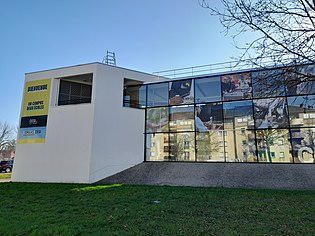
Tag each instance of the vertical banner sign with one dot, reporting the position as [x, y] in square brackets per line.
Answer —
[35, 111]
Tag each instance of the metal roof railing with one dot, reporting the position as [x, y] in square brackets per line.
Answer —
[208, 69]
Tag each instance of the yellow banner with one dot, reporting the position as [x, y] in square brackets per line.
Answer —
[35, 111]
[34, 140]
[36, 98]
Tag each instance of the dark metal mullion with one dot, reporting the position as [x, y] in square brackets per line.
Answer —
[145, 125]
[289, 127]
[224, 156]
[69, 98]
[222, 111]
[255, 131]
[195, 133]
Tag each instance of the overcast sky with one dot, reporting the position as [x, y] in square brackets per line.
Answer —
[146, 35]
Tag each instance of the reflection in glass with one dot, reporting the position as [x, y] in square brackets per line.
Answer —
[301, 80]
[182, 118]
[182, 146]
[210, 146]
[303, 141]
[181, 92]
[273, 145]
[208, 116]
[302, 111]
[157, 120]
[240, 140]
[157, 147]
[157, 95]
[268, 83]
[271, 113]
[236, 86]
[208, 90]
[135, 96]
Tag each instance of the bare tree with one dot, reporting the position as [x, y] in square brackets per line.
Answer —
[284, 34]
[7, 138]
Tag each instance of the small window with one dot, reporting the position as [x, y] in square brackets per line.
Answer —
[186, 144]
[281, 155]
[243, 131]
[75, 89]
[186, 156]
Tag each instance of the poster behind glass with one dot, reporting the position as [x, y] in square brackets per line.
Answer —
[303, 141]
[181, 92]
[208, 117]
[157, 120]
[270, 113]
[236, 86]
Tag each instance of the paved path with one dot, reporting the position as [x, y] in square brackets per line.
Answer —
[5, 180]
[231, 175]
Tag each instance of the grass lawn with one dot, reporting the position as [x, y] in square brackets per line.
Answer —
[72, 209]
[5, 175]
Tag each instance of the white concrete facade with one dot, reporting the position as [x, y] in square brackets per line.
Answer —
[85, 142]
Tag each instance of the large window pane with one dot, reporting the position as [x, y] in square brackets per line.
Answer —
[182, 118]
[271, 113]
[182, 146]
[239, 139]
[181, 92]
[236, 86]
[135, 96]
[157, 95]
[300, 80]
[210, 146]
[208, 90]
[157, 147]
[302, 111]
[157, 120]
[208, 117]
[75, 89]
[303, 141]
[274, 145]
[268, 83]
[240, 145]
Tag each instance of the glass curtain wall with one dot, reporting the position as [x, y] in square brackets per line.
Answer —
[261, 116]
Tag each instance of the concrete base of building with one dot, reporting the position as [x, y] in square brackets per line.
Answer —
[229, 175]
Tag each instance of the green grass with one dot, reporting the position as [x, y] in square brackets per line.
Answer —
[72, 209]
[5, 175]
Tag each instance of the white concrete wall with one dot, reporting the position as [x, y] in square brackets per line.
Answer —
[118, 131]
[65, 155]
[85, 142]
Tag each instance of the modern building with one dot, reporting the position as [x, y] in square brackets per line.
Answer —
[87, 122]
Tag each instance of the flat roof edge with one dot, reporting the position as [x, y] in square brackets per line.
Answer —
[87, 64]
